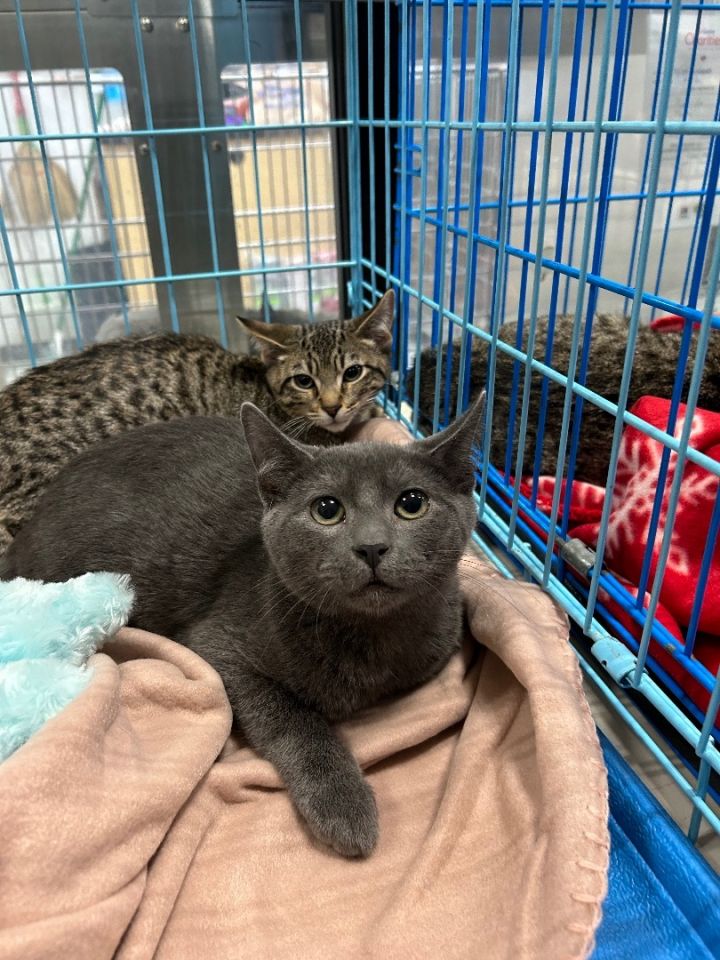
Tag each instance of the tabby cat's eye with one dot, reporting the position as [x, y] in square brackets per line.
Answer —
[411, 504]
[304, 381]
[328, 511]
[352, 373]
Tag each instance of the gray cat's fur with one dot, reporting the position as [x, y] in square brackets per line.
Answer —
[655, 364]
[226, 558]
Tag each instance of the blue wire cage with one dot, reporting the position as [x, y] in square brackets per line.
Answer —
[493, 161]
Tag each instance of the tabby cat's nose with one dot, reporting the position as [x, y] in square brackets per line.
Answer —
[371, 553]
[332, 410]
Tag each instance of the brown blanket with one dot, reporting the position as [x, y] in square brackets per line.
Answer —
[123, 834]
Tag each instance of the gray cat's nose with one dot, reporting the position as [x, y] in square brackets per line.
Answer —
[332, 410]
[371, 553]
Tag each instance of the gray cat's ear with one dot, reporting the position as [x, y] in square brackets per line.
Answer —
[274, 339]
[276, 457]
[452, 448]
[376, 324]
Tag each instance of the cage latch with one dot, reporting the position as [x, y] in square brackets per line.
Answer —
[578, 555]
[616, 658]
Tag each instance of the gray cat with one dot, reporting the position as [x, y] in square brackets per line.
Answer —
[315, 580]
[655, 365]
[316, 380]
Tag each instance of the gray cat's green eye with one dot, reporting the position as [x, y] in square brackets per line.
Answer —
[328, 511]
[412, 504]
[304, 381]
[352, 373]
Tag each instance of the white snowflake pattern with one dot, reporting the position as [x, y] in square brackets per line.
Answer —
[634, 488]
[635, 492]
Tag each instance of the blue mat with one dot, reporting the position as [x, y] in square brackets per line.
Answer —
[663, 901]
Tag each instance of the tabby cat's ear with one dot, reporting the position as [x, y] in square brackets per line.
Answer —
[451, 449]
[276, 457]
[274, 339]
[377, 323]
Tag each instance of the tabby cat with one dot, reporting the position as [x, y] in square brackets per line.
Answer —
[314, 380]
[315, 580]
[654, 367]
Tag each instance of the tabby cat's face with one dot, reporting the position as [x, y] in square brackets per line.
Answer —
[327, 374]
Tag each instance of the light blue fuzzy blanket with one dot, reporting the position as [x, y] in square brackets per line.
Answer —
[47, 633]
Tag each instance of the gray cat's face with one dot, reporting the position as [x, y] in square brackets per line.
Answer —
[364, 528]
[327, 374]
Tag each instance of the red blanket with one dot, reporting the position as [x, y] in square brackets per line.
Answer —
[629, 526]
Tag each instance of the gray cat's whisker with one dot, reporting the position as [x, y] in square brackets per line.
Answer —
[310, 601]
[273, 605]
[266, 611]
[297, 603]
[433, 587]
[317, 615]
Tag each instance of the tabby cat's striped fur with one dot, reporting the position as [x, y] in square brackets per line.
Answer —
[56, 411]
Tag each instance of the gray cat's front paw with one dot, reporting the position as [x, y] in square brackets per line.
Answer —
[342, 813]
